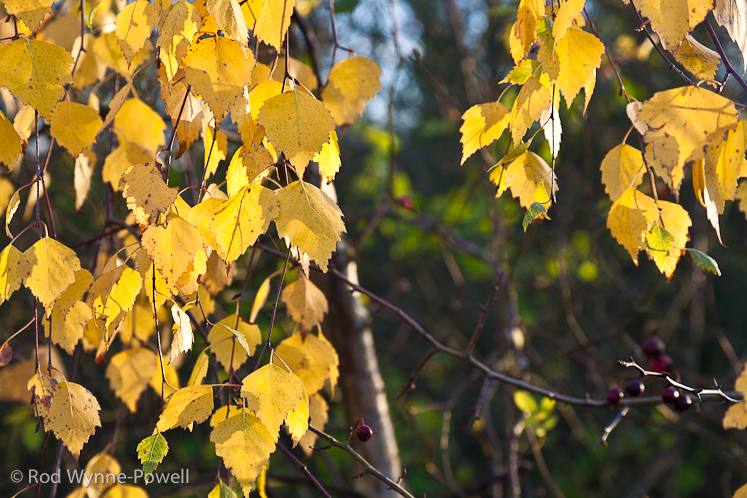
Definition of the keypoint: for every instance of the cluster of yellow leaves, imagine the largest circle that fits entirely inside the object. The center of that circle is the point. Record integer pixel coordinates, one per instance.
(206, 71)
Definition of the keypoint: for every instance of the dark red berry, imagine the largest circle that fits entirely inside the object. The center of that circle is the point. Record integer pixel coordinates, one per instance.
(364, 433)
(670, 394)
(614, 396)
(406, 202)
(662, 363)
(652, 347)
(683, 403)
(634, 388)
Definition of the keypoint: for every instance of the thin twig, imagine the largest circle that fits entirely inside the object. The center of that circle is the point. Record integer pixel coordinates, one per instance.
(698, 392)
(366, 466)
(484, 315)
(611, 426)
(729, 68)
(274, 310)
(298, 463)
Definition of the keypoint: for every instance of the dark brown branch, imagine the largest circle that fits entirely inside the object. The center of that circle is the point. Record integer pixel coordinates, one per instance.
(484, 315)
(729, 68)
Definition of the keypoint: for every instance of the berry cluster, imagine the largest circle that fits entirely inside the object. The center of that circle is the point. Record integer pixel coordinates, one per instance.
(653, 348)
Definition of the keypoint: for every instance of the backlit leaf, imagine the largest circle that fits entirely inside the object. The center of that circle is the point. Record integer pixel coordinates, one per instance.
(311, 220)
(129, 373)
(74, 126)
(297, 124)
(31, 12)
(173, 247)
(351, 84)
(199, 371)
(182, 22)
(306, 303)
(228, 16)
(121, 159)
(329, 157)
(313, 359)
(52, 269)
(113, 294)
(630, 218)
(137, 123)
(188, 405)
(10, 142)
(183, 335)
(483, 124)
(535, 210)
(134, 25)
(218, 71)
(13, 270)
(700, 60)
(36, 72)
(84, 166)
(245, 446)
(73, 415)
(533, 99)
(272, 394)
(146, 193)
(269, 19)
(248, 337)
(672, 20)
(238, 222)
(525, 174)
(523, 33)
(622, 168)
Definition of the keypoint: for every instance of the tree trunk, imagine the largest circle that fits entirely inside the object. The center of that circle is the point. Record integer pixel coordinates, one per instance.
(363, 394)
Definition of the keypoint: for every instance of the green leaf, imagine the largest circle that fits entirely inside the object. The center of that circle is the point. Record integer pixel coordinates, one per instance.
(512, 155)
(221, 491)
(705, 261)
(535, 209)
(659, 240)
(525, 402)
(151, 451)
(544, 31)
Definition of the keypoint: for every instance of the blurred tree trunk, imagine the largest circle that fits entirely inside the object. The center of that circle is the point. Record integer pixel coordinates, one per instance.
(363, 395)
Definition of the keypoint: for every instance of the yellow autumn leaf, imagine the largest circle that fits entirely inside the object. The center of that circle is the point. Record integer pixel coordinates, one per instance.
(269, 19)
(727, 164)
(125, 491)
(524, 31)
(567, 12)
(215, 147)
(74, 126)
(350, 85)
(677, 223)
(245, 446)
(218, 275)
(184, 109)
(622, 168)
(525, 174)
(318, 417)
(31, 12)
(239, 221)
(533, 98)
(115, 104)
(314, 360)
(173, 247)
(272, 394)
(630, 218)
(224, 348)
(183, 335)
(700, 60)
(260, 298)
(107, 49)
(679, 124)
(246, 164)
(199, 370)
(672, 20)
(706, 185)
(121, 159)
(36, 72)
(113, 294)
(85, 163)
(229, 17)
(310, 219)
(188, 283)
(100, 464)
(180, 26)
(52, 266)
(10, 142)
(146, 193)
(67, 328)
(261, 92)
(736, 416)
(88, 68)
(137, 123)
(188, 405)
(135, 22)
(329, 157)
(574, 61)
(305, 302)
(73, 416)
(218, 71)
(483, 124)
(13, 271)
(42, 389)
(297, 124)
(24, 123)
(129, 373)
(75, 291)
